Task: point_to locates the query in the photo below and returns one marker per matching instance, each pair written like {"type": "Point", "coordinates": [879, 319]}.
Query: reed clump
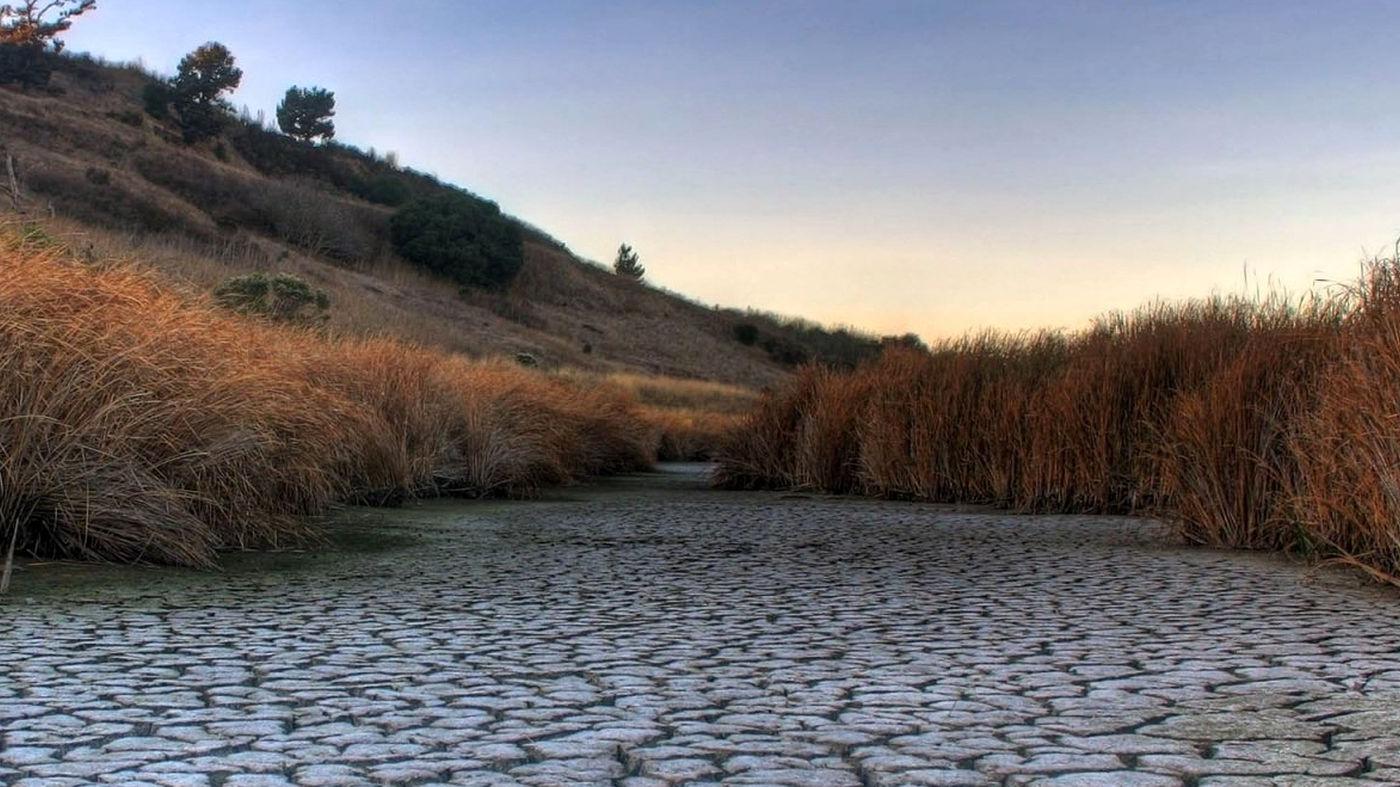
{"type": "Point", "coordinates": [138, 424]}
{"type": "Point", "coordinates": [1258, 423]}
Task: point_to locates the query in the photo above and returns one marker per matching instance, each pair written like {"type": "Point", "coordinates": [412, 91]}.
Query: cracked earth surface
{"type": "Point", "coordinates": [646, 632]}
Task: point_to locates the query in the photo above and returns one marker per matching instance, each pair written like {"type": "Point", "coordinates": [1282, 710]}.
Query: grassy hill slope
{"type": "Point", "coordinates": [106, 176]}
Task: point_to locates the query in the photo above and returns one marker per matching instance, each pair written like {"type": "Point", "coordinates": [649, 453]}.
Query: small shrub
{"type": "Point", "coordinates": [97, 176]}
{"type": "Point", "coordinates": [382, 189]}
{"type": "Point", "coordinates": [315, 221]}
{"type": "Point", "coordinates": [783, 351]}
{"type": "Point", "coordinates": [464, 239]}
{"type": "Point", "coordinates": [34, 236]}
{"type": "Point", "coordinates": [280, 297]}
{"type": "Point", "coordinates": [746, 333]}
{"type": "Point", "coordinates": [155, 99]}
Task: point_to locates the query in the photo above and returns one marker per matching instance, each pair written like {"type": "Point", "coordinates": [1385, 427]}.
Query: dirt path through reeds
{"type": "Point", "coordinates": [646, 631]}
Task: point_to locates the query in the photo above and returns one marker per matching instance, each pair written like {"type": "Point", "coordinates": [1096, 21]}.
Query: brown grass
{"type": "Point", "coordinates": [677, 393]}
{"type": "Point", "coordinates": [140, 424]}
{"type": "Point", "coordinates": [688, 419]}
{"type": "Point", "coordinates": [136, 190]}
{"type": "Point", "coordinates": [1247, 423]}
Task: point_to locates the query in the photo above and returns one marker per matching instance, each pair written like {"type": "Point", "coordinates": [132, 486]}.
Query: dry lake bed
{"type": "Point", "coordinates": [646, 631]}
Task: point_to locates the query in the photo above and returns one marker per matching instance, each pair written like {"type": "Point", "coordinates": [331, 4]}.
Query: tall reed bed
{"type": "Point", "coordinates": [1254, 423]}
{"type": "Point", "coordinates": [140, 425]}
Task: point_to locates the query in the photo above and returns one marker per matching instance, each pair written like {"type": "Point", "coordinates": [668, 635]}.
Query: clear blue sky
{"type": "Point", "coordinates": [919, 166]}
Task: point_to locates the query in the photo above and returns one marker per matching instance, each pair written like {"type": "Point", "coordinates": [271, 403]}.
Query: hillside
{"type": "Point", "coordinates": [98, 171]}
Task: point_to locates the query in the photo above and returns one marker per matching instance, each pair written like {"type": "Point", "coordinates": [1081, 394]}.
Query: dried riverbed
{"type": "Point", "coordinates": [646, 631]}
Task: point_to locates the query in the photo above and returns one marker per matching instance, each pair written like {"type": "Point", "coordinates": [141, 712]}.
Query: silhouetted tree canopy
{"type": "Point", "coordinates": [28, 31]}
{"type": "Point", "coordinates": [39, 21]}
{"type": "Point", "coordinates": [200, 82]}
{"type": "Point", "coordinates": [305, 113]}
{"type": "Point", "coordinates": [628, 263]}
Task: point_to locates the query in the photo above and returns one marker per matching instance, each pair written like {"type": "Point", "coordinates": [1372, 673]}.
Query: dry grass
{"type": "Point", "coordinates": [137, 423]}
{"type": "Point", "coordinates": [1247, 423]}
{"type": "Point", "coordinates": [681, 435]}
{"type": "Point", "coordinates": [688, 419]}
{"type": "Point", "coordinates": [685, 394]}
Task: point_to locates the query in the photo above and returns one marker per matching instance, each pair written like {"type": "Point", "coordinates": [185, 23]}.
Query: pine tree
{"type": "Point", "coordinates": [202, 78]}
{"type": "Point", "coordinates": [628, 263]}
{"type": "Point", "coordinates": [305, 113]}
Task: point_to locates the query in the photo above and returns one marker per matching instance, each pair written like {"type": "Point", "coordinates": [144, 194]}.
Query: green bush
{"type": "Point", "coordinates": [156, 97]}
{"type": "Point", "coordinates": [383, 189]}
{"type": "Point", "coordinates": [464, 239]}
{"type": "Point", "coordinates": [746, 333]}
{"type": "Point", "coordinates": [784, 351]}
{"type": "Point", "coordinates": [281, 296]}
{"type": "Point", "coordinates": [24, 65]}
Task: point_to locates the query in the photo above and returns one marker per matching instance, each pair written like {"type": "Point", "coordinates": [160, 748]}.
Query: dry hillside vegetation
{"type": "Point", "coordinates": [101, 173]}
{"type": "Point", "coordinates": [137, 423]}
{"type": "Point", "coordinates": [1248, 423]}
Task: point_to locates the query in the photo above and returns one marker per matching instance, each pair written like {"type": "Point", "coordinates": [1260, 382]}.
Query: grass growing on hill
{"type": "Point", "coordinates": [138, 424]}
{"type": "Point", "coordinates": [88, 150]}
{"type": "Point", "coordinates": [1247, 423]}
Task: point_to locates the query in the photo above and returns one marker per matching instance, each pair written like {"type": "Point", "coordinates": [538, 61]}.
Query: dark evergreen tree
{"type": "Point", "coordinates": [628, 263]}
{"type": "Point", "coordinates": [305, 113]}
{"type": "Point", "coordinates": [203, 77]}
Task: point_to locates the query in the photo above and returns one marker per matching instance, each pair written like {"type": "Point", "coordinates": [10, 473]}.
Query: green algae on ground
{"type": "Point", "coordinates": [346, 536]}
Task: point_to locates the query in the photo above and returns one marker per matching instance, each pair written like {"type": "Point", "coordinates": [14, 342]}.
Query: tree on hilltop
{"type": "Point", "coordinates": [628, 263]}
{"type": "Point", "coordinates": [305, 113]}
{"type": "Point", "coordinates": [30, 30]}
{"type": "Point", "coordinates": [200, 82]}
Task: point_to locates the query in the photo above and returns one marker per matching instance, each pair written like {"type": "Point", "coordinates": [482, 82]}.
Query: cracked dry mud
{"type": "Point", "coordinates": [647, 632]}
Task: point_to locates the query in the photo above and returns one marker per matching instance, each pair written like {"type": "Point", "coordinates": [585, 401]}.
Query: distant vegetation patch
{"type": "Point", "coordinates": [793, 342]}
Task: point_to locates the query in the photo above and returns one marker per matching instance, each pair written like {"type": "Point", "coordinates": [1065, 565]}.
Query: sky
{"type": "Point", "coordinates": [933, 167]}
